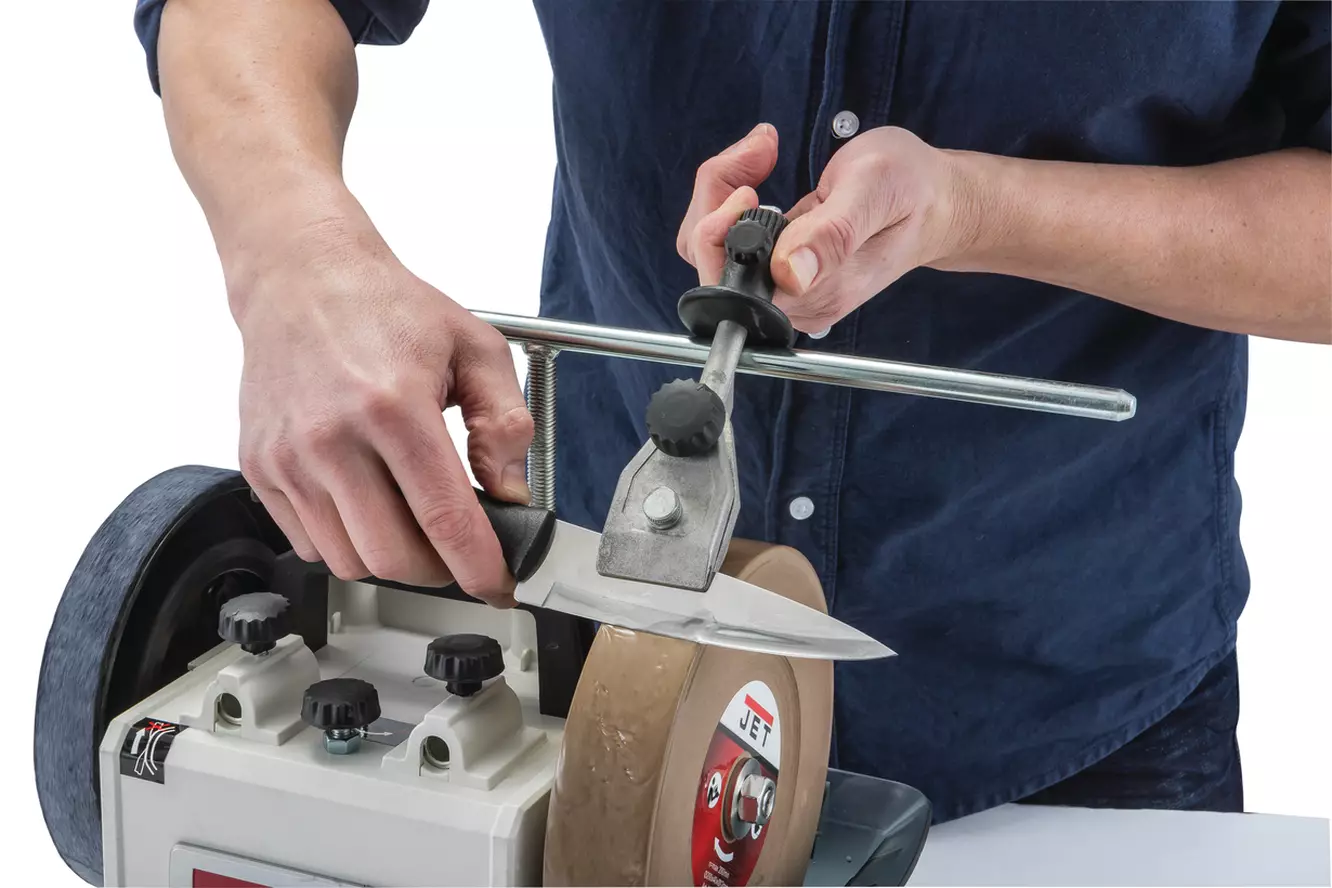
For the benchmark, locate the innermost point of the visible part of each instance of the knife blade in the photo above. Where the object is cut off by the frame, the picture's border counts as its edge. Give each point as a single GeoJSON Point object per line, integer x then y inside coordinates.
{"type": "Point", "coordinates": [731, 613]}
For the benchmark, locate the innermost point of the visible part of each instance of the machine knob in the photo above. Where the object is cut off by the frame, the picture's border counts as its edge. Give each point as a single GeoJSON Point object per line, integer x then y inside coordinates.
{"type": "Point", "coordinates": [340, 704]}
{"type": "Point", "coordinates": [255, 621]}
{"type": "Point", "coordinates": [685, 418]}
{"type": "Point", "coordinates": [464, 662]}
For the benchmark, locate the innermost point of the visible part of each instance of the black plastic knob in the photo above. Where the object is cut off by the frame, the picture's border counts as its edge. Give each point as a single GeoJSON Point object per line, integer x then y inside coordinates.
{"type": "Point", "coordinates": [685, 418]}
{"type": "Point", "coordinates": [752, 238]}
{"type": "Point", "coordinates": [463, 662]}
{"type": "Point", "coordinates": [340, 704]}
{"type": "Point", "coordinates": [256, 621]}
{"type": "Point", "coordinates": [774, 221]}
{"type": "Point", "coordinates": [747, 242]}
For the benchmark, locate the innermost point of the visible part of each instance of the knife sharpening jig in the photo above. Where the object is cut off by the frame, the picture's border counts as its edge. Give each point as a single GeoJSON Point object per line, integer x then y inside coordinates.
{"type": "Point", "coordinates": [213, 711]}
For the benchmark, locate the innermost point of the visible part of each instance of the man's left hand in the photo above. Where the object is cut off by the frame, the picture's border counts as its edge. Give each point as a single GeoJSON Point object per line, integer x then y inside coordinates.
{"type": "Point", "coordinates": [885, 204]}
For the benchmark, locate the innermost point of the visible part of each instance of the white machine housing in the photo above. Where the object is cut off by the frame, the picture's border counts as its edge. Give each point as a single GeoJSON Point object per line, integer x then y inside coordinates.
{"type": "Point", "coordinates": [259, 801]}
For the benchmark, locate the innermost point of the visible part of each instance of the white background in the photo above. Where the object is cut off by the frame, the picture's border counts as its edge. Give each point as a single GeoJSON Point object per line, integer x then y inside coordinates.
{"type": "Point", "coordinates": [119, 358]}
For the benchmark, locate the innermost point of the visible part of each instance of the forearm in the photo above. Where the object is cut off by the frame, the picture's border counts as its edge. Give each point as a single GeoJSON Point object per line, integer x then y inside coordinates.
{"type": "Point", "coordinates": [1243, 246]}
{"type": "Point", "coordinates": [258, 97]}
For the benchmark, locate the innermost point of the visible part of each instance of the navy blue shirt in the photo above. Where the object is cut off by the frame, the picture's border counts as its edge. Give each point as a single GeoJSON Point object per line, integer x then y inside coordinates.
{"type": "Point", "coordinates": [1053, 585]}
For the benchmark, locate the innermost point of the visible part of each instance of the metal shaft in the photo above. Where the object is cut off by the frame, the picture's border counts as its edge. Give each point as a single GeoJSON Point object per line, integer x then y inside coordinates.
{"type": "Point", "coordinates": [1068, 399]}
{"type": "Point", "coordinates": [728, 345]}
{"type": "Point", "coordinates": [541, 404]}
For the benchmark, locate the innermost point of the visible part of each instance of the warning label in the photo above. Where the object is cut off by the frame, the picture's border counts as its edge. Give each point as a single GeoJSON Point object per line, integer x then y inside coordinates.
{"type": "Point", "coordinates": [144, 752]}
{"type": "Point", "coordinates": [746, 744]}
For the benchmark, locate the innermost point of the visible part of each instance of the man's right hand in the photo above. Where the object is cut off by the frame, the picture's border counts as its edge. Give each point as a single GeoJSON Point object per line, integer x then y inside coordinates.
{"type": "Point", "coordinates": [350, 359]}
{"type": "Point", "coordinates": [349, 362]}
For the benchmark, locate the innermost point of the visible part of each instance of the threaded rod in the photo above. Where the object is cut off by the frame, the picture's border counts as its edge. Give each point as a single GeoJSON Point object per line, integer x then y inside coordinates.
{"type": "Point", "coordinates": [541, 404]}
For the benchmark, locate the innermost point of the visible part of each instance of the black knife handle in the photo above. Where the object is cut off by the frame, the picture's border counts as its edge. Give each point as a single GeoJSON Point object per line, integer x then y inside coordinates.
{"type": "Point", "coordinates": [525, 533]}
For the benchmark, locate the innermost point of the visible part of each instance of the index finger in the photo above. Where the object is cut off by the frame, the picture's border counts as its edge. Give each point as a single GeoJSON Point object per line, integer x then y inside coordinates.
{"type": "Point", "coordinates": [748, 162]}
{"type": "Point", "coordinates": [418, 452]}
{"type": "Point", "coordinates": [707, 243]}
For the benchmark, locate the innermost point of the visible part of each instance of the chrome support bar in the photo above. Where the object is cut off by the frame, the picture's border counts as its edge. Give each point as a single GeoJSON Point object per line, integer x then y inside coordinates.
{"type": "Point", "coordinates": [1044, 396]}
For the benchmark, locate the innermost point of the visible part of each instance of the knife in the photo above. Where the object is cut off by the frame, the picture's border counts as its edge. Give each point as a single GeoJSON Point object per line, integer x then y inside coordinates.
{"type": "Point", "coordinates": [554, 563]}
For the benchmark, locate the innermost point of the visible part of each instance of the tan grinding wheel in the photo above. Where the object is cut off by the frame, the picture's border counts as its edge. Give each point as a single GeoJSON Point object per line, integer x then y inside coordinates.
{"type": "Point", "coordinates": [661, 731]}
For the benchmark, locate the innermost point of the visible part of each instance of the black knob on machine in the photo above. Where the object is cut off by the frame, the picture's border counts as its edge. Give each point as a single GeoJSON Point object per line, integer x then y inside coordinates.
{"type": "Point", "coordinates": [340, 704]}
{"type": "Point", "coordinates": [464, 662]}
{"type": "Point", "coordinates": [256, 621]}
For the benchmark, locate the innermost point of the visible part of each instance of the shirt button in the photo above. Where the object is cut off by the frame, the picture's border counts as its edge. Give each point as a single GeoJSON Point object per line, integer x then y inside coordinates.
{"type": "Point", "coordinates": [845, 124]}
{"type": "Point", "coordinates": [821, 333]}
{"type": "Point", "coordinates": [801, 508]}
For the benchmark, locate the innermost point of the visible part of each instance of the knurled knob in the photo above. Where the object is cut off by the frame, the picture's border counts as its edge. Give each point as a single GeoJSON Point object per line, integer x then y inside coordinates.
{"type": "Point", "coordinates": [340, 704]}
{"type": "Point", "coordinates": [747, 242]}
{"type": "Point", "coordinates": [685, 418]}
{"type": "Point", "coordinates": [463, 662]}
{"type": "Point", "coordinates": [256, 621]}
{"type": "Point", "coordinates": [770, 220]}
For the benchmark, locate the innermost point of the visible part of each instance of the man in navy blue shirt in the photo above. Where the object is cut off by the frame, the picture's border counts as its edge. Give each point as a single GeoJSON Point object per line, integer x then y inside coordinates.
{"type": "Point", "coordinates": [1111, 193]}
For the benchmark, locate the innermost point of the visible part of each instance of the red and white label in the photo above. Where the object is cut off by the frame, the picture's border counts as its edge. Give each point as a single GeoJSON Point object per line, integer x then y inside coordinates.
{"type": "Point", "coordinates": [205, 879]}
{"type": "Point", "coordinates": [748, 731]}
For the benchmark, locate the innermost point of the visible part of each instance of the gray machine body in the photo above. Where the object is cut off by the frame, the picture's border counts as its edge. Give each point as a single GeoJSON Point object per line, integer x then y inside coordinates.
{"type": "Point", "coordinates": [262, 802]}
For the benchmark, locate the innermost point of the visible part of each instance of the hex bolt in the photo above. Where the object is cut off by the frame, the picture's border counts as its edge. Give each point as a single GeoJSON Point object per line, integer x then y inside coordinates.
{"type": "Point", "coordinates": [662, 508]}
{"type": "Point", "coordinates": [342, 741]}
{"type": "Point", "coordinates": [757, 795]}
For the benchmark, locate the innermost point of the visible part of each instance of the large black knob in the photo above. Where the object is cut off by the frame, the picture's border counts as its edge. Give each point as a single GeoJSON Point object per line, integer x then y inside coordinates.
{"type": "Point", "coordinates": [685, 418]}
{"type": "Point", "coordinates": [464, 662]}
{"type": "Point", "coordinates": [255, 621]}
{"type": "Point", "coordinates": [340, 704]}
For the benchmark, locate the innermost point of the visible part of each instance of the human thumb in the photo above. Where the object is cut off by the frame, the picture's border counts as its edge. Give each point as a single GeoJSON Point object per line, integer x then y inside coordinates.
{"type": "Point", "coordinates": [817, 243]}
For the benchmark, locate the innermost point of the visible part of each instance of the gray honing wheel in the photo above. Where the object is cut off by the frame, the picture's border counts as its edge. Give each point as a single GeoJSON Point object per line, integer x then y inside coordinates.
{"type": "Point", "coordinates": [82, 645]}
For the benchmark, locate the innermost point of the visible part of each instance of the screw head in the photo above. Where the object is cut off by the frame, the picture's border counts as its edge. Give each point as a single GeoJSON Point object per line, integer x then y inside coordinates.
{"type": "Point", "coordinates": [662, 508]}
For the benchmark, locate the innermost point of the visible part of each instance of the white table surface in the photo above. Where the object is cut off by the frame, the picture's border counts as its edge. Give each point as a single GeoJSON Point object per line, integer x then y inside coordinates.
{"type": "Point", "coordinates": [1029, 845]}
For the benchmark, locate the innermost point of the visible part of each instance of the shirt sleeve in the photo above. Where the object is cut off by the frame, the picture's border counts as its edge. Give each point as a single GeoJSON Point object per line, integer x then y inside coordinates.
{"type": "Point", "coordinates": [377, 22]}
{"type": "Point", "coordinates": [1296, 70]}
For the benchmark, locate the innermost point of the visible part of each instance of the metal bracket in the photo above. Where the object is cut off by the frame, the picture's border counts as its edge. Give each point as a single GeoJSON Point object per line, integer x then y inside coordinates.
{"type": "Point", "coordinates": [688, 553]}
{"type": "Point", "coordinates": [684, 548]}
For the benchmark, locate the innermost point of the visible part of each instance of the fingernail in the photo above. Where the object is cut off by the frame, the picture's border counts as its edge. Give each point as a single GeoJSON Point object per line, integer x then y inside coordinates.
{"type": "Point", "coordinates": [747, 139]}
{"type": "Point", "coordinates": [514, 481]}
{"type": "Point", "coordinates": [805, 266]}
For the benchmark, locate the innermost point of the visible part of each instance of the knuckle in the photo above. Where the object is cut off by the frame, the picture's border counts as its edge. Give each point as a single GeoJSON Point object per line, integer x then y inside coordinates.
{"type": "Point", "coordinates": [518, 424]}
{"type": "Point", "coordinates": [513, 425]}
{"type": "Point", "coordinates": [448, 526]}
{"type": "Point", "coordinates": [386, 563]}
{"type": "Point", "coordinates": [682, 245]}
{"type": "Point", "coordinates": [344, 568]}
{"type": "Point", "coordinates": [284, 456]}
{"type": "Point", "coordinates": [324, 437]}
{"type": "Point", "coordinates": [709, 171]}
{"type": "Point", "coordinates": [491, 348]}
{"type": "Point", "coordinates": [840, 237]}
{"type": "Point", "coordinates": [379, 405]}
{"type": "Point", "coordinates": [252, 466]}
